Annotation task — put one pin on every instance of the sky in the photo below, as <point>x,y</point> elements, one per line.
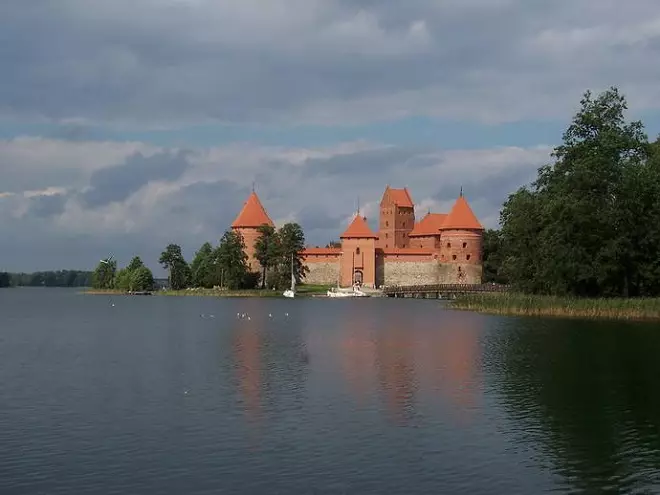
<point>129,125</point>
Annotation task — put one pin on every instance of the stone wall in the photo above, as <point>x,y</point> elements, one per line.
<point>323,272</point>
<point>448,273</point>
<point>410,272</point>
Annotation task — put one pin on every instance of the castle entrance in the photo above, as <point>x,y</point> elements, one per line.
<point>357,277</point>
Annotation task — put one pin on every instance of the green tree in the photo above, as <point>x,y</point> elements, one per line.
<point>267,250</point>
<point>135,263</point>
<point>4,279</point>
<point>142,279</point>
<point>292,243</point>
<point>103,277</point>
<point>178,270</point>
<point>231,261</point>
<point>492,259</point>
<point>571,232</point>
<point>201,268</point>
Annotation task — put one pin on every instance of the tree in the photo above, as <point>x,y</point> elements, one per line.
<point>267,250</point>
<point>142,279</point>
<point>492,259</point>
<point>292,243</point>
<point>4,279</point>
<point>104,275</point>
<point>578,229</point>
<point>231,261</point>
<point>201,268</point>
<point>135,263</point>
<point>333,244</point>
<point>178,270</point>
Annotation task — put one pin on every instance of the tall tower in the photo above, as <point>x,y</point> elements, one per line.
<point>397,218</point>
<point>251,217</point>
<point>461,242</point>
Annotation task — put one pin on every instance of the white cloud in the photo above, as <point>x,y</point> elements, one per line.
<point>318,187</point>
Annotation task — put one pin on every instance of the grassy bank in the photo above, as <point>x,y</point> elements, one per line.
<point>529,305</point>
<point>301,291</point>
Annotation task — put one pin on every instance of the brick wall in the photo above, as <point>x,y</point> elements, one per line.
<point>410,272</point>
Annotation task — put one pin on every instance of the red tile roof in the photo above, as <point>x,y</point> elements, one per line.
<point>359,229</point>
<point>429,225</point>
<point>461,217</point>
<point>253,214</point>
<point>399,197</point>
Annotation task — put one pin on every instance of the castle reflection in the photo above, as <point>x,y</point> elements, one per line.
<point>413,360</point>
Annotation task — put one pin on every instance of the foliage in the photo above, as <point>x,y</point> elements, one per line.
<point>267,250</point>
<point>231,263</point>
<point>178,270</point>
<point>202,267</point>
<point>292,242</point>
<point>104,275</point>
<point>59,278</point>
<point>135,277</point>
<point>333,244</point>
<point>589,225</point>
<point>492,257</point>
<point>5,280</point>
<point>542,305</point>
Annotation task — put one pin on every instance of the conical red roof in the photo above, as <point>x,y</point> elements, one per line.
<point>461,217</point>
<point>359,229</point>
<point>253,214</point>
<point>398,197</point>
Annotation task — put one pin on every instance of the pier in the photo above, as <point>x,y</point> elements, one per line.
<point>441,291</point>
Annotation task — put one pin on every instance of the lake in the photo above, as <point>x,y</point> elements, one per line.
<point>180,395</point>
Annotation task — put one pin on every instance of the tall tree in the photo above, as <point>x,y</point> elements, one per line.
<point>492,259</point>
<point>201,268</point>
<point>178,270</point>
<point>292,243</point>
<point>231,261</point>
<point>4,279</point>
<point>267,250</point>
<point>570,233</point>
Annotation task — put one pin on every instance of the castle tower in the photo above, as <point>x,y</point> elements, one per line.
<point>251,217</point>
<point>397,218</point>
<point>461,243</point>
<point>358,260</point>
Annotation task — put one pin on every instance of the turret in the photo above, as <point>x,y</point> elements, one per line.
<point>397,218</point>
<point>251,217</point>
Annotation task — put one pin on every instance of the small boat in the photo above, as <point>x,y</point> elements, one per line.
<point>292,291</point>
<point>354,291</point>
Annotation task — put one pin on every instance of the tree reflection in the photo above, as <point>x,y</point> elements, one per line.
<point>588,391</point>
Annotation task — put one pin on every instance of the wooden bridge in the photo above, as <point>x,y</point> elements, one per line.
<point>439,291</point>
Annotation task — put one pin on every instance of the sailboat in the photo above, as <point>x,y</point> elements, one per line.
<point>292,291</point>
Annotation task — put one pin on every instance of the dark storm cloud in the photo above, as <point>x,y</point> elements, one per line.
<point>153,61</point>
<point>45,206</point>
<point>112,184</point>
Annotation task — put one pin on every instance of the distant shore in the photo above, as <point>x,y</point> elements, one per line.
<point>301,291</point>
<point>529,305</point>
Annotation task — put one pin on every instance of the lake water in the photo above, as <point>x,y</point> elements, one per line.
<point>370,396</point>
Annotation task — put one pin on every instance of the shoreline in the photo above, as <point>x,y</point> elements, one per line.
<point>512,304</point>
<point>312,291</point>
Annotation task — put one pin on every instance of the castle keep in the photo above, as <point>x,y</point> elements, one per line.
<point>438,249</point>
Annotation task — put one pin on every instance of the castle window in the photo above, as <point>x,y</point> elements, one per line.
<point>357,251</point>
<point>464,246</point>
<point>386,235</point>
<point>448,245</point>
<point>453,257</point>
<point>467,257</point>
<point>387,224</point>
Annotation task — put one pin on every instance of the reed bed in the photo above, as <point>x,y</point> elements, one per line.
<point>534,305</point>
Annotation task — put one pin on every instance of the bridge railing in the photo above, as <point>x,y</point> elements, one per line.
<point>444,288</point>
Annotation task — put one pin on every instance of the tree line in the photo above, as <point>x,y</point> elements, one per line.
<point>59,278</point>
<point>224,266</point>
<point>589,225</point>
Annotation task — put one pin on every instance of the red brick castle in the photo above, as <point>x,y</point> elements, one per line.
<point>440,248</point>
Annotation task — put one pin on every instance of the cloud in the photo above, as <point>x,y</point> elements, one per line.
<point>117,183</point>
<point>149,201</point>
<point>176,62</point>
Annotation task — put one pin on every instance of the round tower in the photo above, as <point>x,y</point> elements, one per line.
<point>461,243</point>
<point>247,223</point>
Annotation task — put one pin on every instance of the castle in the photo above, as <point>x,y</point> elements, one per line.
<point>438,249</point>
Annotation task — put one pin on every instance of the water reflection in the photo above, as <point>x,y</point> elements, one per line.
<point>585,393</point>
